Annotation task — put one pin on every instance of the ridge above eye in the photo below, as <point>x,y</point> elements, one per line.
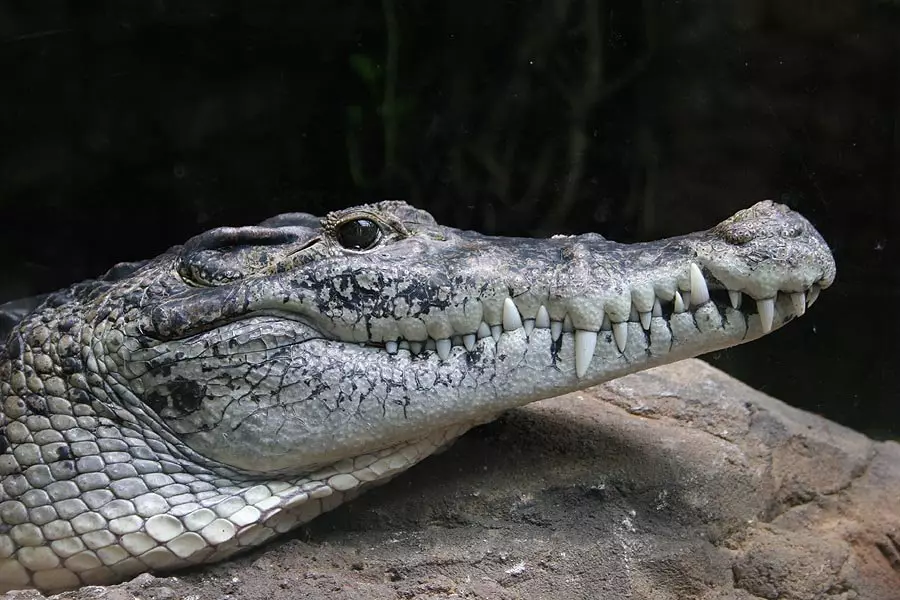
<point>358,234</point>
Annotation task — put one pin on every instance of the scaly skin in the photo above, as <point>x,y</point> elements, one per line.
<point>182,409</point>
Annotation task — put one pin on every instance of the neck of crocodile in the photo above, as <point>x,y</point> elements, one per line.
<point>197,404</point>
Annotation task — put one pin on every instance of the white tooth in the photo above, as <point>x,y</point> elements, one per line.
<point>483,331</point>
<point>620,332</point>
<point>391,347</point>
<point>556,328</point>
<point>645,320</point>
<point>735,298</point>
<point>469,341</point>
<point>813,295</point>
<point>633,316</point>
<point>542,321</point>
<point>679,303</point>
<point>528,326</point>
<point>657,308</point>
<point>766,308</point>
<point>443,348</point>
<point>496,330</point>
<point>799,302</point>
<point>699,291</point>
<point>585,342</point>
<point>686,298</point>
<point>567,324</point>
<point>415,347</point>
<point>511,317</point>
<point>403,345</point>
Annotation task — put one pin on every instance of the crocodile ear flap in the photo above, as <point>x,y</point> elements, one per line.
<point>227,254</point>
<point>296,219</point>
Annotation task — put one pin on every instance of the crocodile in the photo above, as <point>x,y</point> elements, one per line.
<point>178,410</point>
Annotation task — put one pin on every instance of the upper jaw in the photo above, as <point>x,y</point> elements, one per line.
<point>584,283</point>
<point>423,293</point>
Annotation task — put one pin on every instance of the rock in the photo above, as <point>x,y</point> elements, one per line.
<point>676,483</point>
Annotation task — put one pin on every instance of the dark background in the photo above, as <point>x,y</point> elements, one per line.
<point>128,126</point>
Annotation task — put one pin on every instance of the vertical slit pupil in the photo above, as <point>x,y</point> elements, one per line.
<point>358,234</point>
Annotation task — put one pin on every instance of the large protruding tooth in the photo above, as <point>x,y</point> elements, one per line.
<point>567,324</point>
<point>391,347</point>
<point>766,309</point>
<point>528,326</point>
<point>469,341</point>
<point>585,342</point>
<point>679,303</point>
<point>496,330</point>
<point>813,295</point>
<point>645,320</point>
<point>657,308</point>
<point>443,347</point>
<point>620,332</point>
<point>735,298</point>
<point>556,328</point>
<point>799,301</point>
<point>512,320</point>
<point>416,347</point>
<point>542,320</point>
<point>699,291</point>
<point>484,331</point>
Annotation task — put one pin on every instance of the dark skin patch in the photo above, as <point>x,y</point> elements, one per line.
<point>79,396</point>
<point>4,442</point>
<point>14,347</point>
<point>37,404</point>
<point>71,365</point>
<point>183,395</point>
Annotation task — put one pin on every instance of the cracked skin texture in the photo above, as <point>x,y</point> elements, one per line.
<point>183,409</point>
<point>677,483</point>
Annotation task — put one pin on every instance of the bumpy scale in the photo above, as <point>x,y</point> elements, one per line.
<point>179,410</point>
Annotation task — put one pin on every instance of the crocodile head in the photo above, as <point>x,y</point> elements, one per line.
<point>303,341</point>
<point>254,377</point>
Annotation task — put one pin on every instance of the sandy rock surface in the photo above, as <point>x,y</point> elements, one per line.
<point>675,483</point>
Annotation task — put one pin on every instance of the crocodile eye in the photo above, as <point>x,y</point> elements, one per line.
<point>358,234</point>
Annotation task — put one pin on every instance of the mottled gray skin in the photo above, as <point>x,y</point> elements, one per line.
<point>181,409</point>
